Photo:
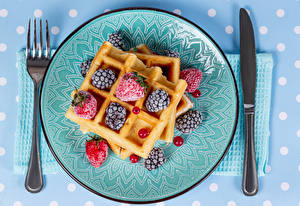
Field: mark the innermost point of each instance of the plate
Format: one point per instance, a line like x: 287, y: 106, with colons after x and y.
x: 186, y: 166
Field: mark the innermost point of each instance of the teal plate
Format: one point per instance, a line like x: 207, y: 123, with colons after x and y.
x: 186, y: 166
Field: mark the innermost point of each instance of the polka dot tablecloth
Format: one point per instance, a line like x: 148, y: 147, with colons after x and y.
x: 277, y: 30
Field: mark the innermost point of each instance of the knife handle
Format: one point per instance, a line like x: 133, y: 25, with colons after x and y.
x: 250, y: 179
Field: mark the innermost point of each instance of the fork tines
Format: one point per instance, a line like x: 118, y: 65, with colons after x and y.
x: 37, y: 48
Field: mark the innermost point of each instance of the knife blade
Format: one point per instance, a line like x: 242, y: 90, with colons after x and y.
x: 248, y: 78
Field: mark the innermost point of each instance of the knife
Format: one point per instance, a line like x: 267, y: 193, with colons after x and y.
x: 248, y: 77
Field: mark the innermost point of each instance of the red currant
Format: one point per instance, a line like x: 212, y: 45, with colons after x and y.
x: 136, y: 110
x: 144, y: 132
x: 196, y: 93
x: 134, y: 158
x: 178, y: 141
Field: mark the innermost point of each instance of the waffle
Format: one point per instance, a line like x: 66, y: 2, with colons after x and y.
x: 171, y: 66
x: 127, y: 137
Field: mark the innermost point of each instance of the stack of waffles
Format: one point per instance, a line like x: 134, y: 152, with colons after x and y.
x: 159, y: 72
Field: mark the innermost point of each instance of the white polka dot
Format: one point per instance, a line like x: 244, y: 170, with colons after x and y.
x: 2, y: 151
x: 297, y: 29
x: 299, y: 168
x: 263, y: 29
x: 267, y: 203
x: 283, y: 115
x: 284, y: 151
x: 297, y: 64
x: 2, y: 186
x: 213, y: 187
x: 211, y: 12
x: 73, y: 13
x: 71, y: 187
x: 231, y: 203
x: 298, y: 133
x: 37, y: 13
x: 281, y: 47
x: 3, y: 13
x: 282, y: 81
x: 229, y: 29
x: 3, y: 47
x: 106, y: 10
x: 55, y: 30
x: 298, y: 98
x: 20, y: 29
x: 196, y: 203
x: 17, y: 98
x: 89, y: 203
x: 3, y: 81
x: 280, y: 13
x: 285, y: 186
x: 160, y: 204
x: 2, y: 116
x: 268, y: 169
x: 177, y: 11
x: 53, y: 203
x: 124, y: 204
x: 17, y: 203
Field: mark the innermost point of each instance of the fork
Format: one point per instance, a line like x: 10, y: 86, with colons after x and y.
x: 37, y: 63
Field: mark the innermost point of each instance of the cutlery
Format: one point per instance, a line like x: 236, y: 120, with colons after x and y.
x: 37, y: 63
x: 248, y: 77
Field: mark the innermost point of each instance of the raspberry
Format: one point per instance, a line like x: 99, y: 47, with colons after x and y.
x: 193, y: 77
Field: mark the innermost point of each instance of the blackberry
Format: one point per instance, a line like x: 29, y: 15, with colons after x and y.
x: 115, y: 108
x: 85, y: 66
x: 115, y: 116
x: 188, y: 121
x: 103, y: 79
x: 171, y: 53
x: 116, y: 40
x: 157, y: 100
x: 155, y: 159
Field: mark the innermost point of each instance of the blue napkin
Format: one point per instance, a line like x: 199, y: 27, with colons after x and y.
x: 233, y: 161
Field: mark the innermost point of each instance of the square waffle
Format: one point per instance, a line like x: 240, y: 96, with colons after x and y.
x: 127, y: 137
x: 171, y: 67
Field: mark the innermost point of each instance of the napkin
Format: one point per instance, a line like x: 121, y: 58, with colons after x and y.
x: 232, y: 163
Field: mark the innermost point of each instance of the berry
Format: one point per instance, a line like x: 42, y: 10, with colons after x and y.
x: 196, y: 93
x: 84, y: 104
x: 143, y: 133
x: 85, y: 66
x: 115, y: 116
x: 103, y: 79
x: 116, y: 40
x: 189, y: 121
x: 134, y: 158
x: 136, y: 110
x: 157, y: 100
x: 96, y: 150
x: 170, y: 53
x: 131, y: 87
x: 178, y: 141
x: 193, y: 77
x: 155, y: 159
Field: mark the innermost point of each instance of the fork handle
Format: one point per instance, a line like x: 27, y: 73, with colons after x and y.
x: 34, y: 178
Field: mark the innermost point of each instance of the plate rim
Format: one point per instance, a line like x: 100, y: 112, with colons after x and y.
x: 216, y: 164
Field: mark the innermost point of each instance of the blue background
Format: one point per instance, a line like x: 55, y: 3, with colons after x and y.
x: 284, y: 158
